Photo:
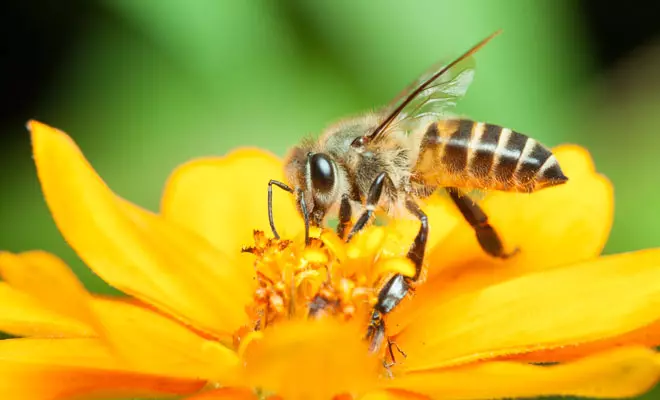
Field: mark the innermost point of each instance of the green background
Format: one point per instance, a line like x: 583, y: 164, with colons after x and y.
x: 163, y: 81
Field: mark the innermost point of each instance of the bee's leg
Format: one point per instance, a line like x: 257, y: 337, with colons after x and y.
x: 488, y: 239
x: 345, y: 214
x: 375, y: 191
x: 390, y: 295
x: 376, y: 336
x: 416, y: 252
x: 375, y: 332
x: 305, y: 213
x: 390, y: 346
x: 282, y: 186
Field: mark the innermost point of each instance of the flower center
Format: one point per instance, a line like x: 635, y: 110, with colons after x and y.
x: 296, y: 282
x: 327, y: 278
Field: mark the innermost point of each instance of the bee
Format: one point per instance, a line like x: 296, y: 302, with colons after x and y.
x: 407, y: 151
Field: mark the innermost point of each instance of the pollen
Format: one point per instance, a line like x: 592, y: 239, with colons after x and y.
x: 326, y: 278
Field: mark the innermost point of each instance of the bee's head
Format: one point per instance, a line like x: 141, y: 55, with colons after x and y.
x: 316, y: 177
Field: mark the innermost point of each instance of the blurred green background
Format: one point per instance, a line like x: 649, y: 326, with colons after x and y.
x: 145, y: 85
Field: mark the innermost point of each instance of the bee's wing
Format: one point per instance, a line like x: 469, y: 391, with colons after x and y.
x: 432, y: 95
x: 437, y: 100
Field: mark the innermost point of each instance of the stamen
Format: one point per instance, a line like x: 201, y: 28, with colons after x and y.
x: 398, y: 265
x: 325, y: 279
x: 247, y: 340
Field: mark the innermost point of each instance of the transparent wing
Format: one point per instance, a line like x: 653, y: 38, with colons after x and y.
x: 431, y: 96
x: 437, y: 100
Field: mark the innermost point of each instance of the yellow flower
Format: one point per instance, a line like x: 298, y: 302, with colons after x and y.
x: 205, y: 320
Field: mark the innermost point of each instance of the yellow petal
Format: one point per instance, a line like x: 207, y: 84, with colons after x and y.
x: 50, y: 281
x: 225, y: 394
x: 40, y: 369
x: 646, y: 336
x: 443, y: 218
x: 552, y: 227
x: 134, y: 250
x: 587, y: 302
x: 152, y: 343
x: 392, y: 394
x: 624, y: 372
x: 555, y: 226
x: 23, y: 315
x: 397, y: 265
x: 311, y: 360
x: 61, y: 352
x: 225, y: 200
x: 27, y: 382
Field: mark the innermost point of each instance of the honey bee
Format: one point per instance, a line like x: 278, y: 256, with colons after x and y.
x: 407, y: 151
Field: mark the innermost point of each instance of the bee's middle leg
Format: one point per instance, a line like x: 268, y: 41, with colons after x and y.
x: 487, y: 237
x: 373, y: 197
x: 416, y: 252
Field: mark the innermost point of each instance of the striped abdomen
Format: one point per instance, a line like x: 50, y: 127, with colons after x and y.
x: 469, y: 154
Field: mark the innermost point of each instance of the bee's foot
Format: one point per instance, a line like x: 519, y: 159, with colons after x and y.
x: 510, y: 254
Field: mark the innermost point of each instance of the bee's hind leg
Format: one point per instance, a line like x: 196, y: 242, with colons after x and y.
x: 487, y: 237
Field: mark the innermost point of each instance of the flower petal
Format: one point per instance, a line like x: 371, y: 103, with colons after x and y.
x: 225, y: 200
x: 552, y: 227
x: 555, y: 226
x: 134, y: 250
x: 225, y: 394
x: 443, y: 217
x: 646, y: 336
x: 23, y: 315
x: 311, y: 360
x: 152, y: 343
x: 38, y: 369
x: 624, y: 372
x: 60, y: 352
x: 392, y: 394
x: 50, y: 281
x: 557, y: 307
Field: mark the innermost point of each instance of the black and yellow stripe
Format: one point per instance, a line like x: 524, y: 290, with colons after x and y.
x: 469, y: 153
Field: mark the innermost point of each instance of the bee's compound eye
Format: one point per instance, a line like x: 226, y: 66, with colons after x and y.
x: 323, y: 175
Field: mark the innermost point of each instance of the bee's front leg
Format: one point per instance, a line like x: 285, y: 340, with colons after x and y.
x: 345, y: 214
x: 282, y: 186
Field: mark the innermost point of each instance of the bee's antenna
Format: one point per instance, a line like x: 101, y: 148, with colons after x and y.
x: 386, y: 123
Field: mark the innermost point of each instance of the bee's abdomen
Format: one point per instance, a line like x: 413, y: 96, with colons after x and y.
x: 466, y: 153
